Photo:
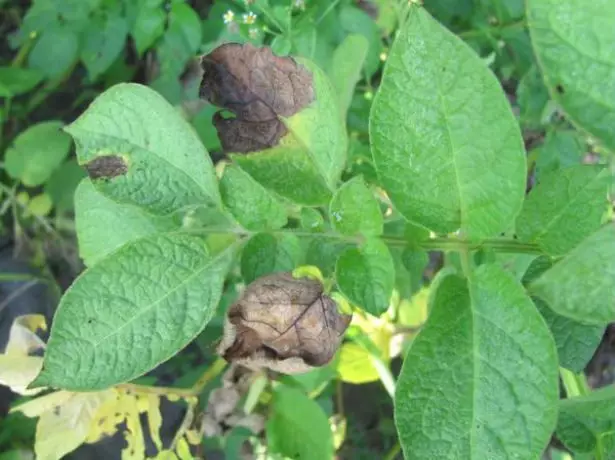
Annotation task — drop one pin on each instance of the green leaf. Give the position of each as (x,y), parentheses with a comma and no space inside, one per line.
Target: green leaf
(133,310)
(445,143)
(37,152)
(308,161)
(561,149)
(266,253)
(55,51)
(103,225)
(576,195)
(185,19)
(15,81)
(250,203)
(576,342)
(139,150)
(580,286)
(103,44)
(148,27)
(366,276)
(532,97)
(484,367)
(585,421)
(40,205)
(346,67)
(298,427)
(355,21)
(62,184)
(354,209)
(311,219)
(281,45)
(324,252)
(573,45)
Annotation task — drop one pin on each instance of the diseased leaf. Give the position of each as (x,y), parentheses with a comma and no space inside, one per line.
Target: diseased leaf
(354,209)
(587,421)
(573,45)
(445,143)
(103,225)
(253,206)
(485,368)
(103,44)
(287,132)
(266,253)
(152,297)
(576,342)
(346,67)
(36,152)
(138,150)
(580,286)
(287,324)
(577,194)
(366,276)
(298,427)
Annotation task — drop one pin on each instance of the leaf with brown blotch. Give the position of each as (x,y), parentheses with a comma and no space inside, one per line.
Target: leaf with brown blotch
(258,87)
(286,129)
(283,323)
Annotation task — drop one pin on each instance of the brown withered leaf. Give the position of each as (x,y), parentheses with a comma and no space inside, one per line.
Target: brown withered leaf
(283,323)
(258,87)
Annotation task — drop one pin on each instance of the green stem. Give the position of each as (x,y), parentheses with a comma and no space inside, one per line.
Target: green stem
(433,244)
(211,373)
(23,52)
(330,8)
(574,384)
(391,454)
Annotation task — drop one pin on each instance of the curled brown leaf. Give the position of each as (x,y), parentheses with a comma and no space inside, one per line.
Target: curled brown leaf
(258,88)
(283,323)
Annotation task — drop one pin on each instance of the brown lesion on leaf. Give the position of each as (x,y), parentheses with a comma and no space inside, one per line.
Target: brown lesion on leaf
(106,167)
(283,323)
(258,88)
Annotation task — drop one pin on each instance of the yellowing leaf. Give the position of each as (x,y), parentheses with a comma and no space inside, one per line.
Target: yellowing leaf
(108,417)
(46,403)
(134,432)
(355,365)
(183,450)
(155,419)
(65,427)
(165,455)
(18,371)
(379,330)
(22,337)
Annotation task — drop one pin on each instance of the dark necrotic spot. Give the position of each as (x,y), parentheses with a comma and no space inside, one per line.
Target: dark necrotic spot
(559,89)
(106,167)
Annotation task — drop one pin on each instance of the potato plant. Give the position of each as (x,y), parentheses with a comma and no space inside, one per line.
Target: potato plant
(323,236)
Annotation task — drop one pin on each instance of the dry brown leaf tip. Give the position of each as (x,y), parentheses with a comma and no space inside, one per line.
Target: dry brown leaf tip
(258,87)
(283,323)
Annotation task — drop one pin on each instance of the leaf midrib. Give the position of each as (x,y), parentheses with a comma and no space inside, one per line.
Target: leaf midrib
(154,304)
